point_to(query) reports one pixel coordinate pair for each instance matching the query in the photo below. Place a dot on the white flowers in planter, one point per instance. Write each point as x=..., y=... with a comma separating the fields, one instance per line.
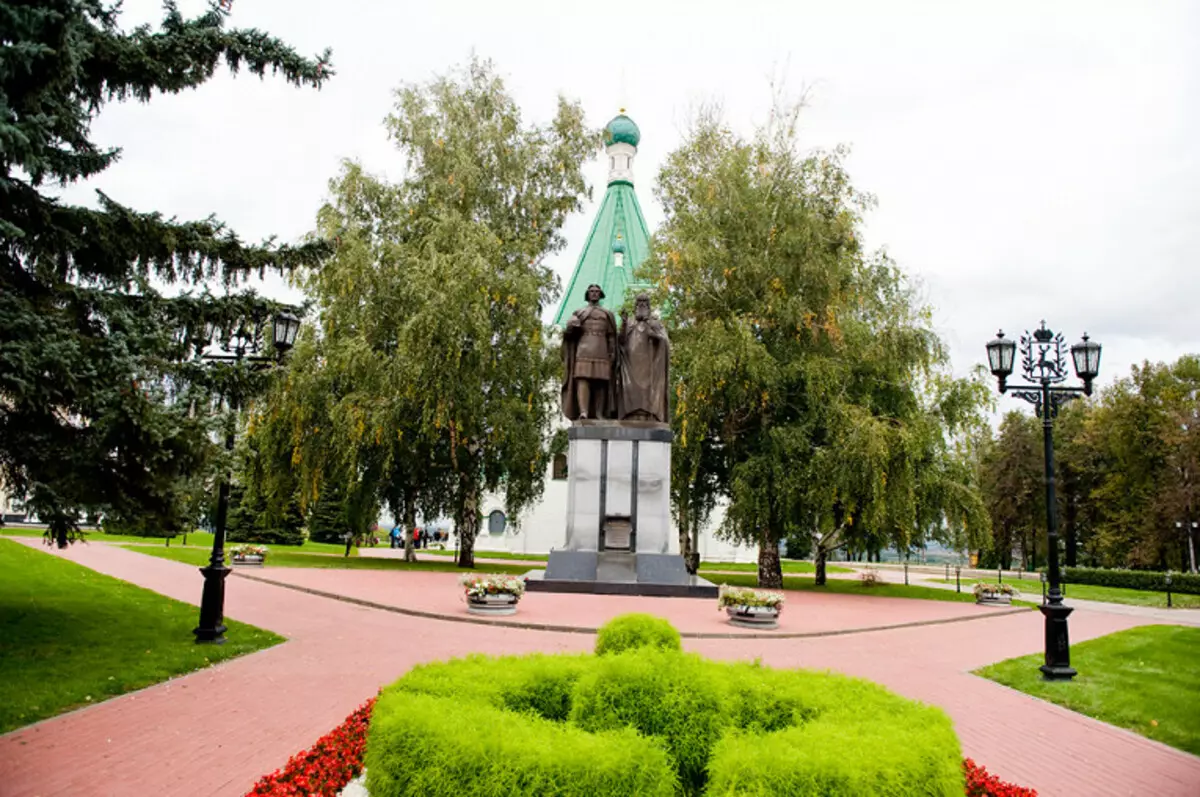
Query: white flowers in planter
x=744, y=596
x=479, y=586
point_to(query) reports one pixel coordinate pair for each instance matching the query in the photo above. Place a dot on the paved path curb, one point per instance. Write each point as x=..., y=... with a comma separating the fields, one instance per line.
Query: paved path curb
x=579, y=629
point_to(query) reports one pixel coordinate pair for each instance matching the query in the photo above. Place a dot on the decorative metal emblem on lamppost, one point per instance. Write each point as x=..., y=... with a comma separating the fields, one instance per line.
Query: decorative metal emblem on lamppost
x=242, y=343
x=1044, y=362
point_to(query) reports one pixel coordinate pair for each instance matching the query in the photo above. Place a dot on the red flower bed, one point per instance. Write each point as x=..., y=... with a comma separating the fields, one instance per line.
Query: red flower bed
x=981, y=784
x=324, y=769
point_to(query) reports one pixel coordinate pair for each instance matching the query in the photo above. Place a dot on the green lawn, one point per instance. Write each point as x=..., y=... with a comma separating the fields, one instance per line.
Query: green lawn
x=849, y=586
x=1145, y=679
x=1032, y=590
x=290, y=558
x=195, y=539
x=523, y=557
x=70, y=637
x=789, y=566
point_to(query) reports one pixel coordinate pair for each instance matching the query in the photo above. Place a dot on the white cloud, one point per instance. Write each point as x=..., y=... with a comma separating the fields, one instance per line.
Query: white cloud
x=1031, y=160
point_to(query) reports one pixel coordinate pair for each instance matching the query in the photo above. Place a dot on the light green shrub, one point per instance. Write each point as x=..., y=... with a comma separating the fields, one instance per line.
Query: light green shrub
x=636, y=631
x=425, y=746
x=660, y=693
x=651, y=721
x=860, y=740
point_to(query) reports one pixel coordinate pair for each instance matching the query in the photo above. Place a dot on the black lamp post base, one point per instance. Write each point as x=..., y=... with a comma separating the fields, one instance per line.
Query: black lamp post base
x=210, y=636
x=1058, y=647
x=211, y=629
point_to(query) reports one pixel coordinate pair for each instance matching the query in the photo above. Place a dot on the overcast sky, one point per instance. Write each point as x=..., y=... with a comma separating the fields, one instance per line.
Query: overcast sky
x=1031, y=159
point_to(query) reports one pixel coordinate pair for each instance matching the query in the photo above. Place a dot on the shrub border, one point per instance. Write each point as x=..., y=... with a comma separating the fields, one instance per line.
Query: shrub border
x=337, y=757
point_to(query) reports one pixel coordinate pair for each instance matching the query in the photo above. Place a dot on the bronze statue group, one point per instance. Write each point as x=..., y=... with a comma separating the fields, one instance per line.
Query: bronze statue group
x=612, y=373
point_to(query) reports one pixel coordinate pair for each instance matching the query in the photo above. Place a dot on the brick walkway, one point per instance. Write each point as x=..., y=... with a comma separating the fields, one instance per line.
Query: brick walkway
x=214, y=732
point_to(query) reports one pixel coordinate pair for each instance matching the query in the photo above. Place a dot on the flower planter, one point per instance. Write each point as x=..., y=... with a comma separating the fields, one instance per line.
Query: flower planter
x=499, y=604
x=753, y=616
x=993, y=599
x=249, y=559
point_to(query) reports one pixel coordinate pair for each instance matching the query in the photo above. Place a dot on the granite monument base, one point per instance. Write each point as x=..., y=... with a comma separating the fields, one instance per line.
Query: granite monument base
x=619, y=516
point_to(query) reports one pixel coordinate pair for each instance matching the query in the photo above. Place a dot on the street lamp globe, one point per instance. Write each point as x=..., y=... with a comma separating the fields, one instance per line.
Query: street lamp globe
x=287, y=326
x=1001, y=352
x=1086, y=355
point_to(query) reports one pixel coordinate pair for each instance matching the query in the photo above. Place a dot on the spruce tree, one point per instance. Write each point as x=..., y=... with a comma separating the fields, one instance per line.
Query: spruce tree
x=96, y=363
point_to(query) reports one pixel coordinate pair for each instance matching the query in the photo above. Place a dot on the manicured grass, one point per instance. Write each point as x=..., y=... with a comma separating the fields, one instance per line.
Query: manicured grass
x=70, y=637
x=289, y=558
x=1145, y=679
x=1032, y=590
x=849, y=586
x=195, y=539
x=789, y=566
x=523, y=557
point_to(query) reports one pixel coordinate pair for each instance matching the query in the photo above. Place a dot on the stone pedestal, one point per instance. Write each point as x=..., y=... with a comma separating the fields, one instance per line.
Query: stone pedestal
x=619, y=516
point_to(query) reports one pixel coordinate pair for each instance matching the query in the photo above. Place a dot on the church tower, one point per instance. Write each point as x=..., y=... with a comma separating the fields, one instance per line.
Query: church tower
x=619, y=240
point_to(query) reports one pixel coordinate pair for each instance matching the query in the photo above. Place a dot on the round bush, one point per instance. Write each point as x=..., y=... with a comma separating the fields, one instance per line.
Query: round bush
x=630, y=631
x=651, y=721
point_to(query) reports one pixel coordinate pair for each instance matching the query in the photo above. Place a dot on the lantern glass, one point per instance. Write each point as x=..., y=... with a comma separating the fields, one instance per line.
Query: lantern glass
x=1086, y=357
x=287, y=326
x=1000, y=355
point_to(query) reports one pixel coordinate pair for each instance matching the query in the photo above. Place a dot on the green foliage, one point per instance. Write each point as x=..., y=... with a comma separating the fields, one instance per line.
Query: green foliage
x=252, y=520
x=1132, y=579
x=330, y=518
x=423, y=746
x=96, y=381
x=426, y=380
x=1126, y=465
x=1013, y=484
x=634, y=630
x=810, y=388
x=72, y=637
x=1144, y=679
x=904, y=750
x=651, y=721
x=661, y=694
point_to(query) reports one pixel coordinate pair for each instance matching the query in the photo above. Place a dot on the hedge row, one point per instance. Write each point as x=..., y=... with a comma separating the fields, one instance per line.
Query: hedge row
x=651, y=720
x=1148, y=580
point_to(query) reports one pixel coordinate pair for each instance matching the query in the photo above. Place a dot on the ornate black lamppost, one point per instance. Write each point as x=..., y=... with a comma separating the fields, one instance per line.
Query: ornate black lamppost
x=241, y=345
x=1044, y=363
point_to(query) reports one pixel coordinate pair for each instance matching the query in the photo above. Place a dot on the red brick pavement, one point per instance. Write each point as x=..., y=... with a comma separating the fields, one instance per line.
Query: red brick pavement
x=214, y=732
x=804, y=612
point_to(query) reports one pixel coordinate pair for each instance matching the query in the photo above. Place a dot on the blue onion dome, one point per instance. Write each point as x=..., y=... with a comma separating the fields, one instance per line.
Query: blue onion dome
x=622, y=129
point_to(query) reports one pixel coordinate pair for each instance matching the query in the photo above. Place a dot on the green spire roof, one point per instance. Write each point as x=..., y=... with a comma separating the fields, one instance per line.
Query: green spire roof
x=619, y=229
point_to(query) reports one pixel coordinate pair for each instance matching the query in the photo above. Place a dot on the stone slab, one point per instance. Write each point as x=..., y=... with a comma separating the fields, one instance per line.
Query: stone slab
x=536, y=581
x=572, y=565
x=620, y=430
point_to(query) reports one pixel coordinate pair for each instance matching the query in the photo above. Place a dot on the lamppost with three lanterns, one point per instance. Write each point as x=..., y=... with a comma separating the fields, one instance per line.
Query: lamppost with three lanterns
x=1044, y=364
x=245, y=342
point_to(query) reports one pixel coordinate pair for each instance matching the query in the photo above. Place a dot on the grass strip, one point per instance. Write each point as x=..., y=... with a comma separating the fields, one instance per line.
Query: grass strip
x=1144, y=679
x=70, y=636
x=848, y=586
x=287, y=558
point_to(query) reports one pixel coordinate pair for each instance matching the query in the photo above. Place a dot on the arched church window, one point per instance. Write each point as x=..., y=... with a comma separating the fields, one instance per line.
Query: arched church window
x=497, y=522
x=559, y=471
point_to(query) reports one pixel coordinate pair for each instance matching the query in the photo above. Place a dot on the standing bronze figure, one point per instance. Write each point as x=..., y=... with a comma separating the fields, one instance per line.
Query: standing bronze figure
x=589, y=356
x=642, y=366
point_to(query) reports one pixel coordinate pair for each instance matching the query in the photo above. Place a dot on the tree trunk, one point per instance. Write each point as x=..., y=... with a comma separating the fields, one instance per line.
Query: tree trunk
x=819, y=563
x=685, y=540
x=349, y=541
x=770, y=571
x=467, y=521
x=1070, y=511
x=695, y=565
x=410, y=522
